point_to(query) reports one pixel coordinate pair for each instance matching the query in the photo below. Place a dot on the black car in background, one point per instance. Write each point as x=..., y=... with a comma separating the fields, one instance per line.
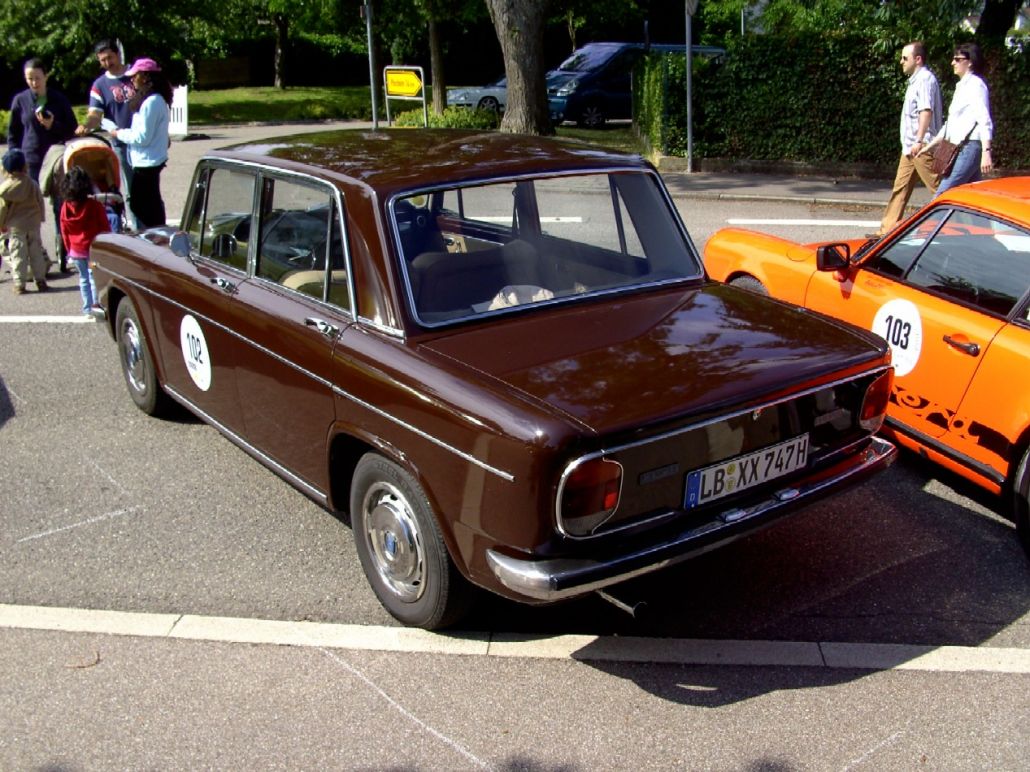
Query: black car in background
x=595, y=83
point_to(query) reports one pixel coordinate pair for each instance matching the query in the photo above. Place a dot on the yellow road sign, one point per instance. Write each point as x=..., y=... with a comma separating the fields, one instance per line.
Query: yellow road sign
x=404, y=83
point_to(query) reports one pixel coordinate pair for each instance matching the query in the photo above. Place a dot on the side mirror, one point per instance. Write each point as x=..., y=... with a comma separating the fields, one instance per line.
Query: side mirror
x=833, y=257
x=180, y=244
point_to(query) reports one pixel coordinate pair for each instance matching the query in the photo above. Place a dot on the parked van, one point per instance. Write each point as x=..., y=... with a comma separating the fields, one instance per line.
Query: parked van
x=595, y=83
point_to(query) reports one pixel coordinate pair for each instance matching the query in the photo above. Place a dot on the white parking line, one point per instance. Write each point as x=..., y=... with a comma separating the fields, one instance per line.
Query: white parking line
x=679, y=651
x=44, y=319
x=87, y=521
x=788, y=221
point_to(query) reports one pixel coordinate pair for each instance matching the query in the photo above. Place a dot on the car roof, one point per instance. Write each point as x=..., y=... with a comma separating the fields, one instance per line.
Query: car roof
x=1005, y=195
x=390, y=160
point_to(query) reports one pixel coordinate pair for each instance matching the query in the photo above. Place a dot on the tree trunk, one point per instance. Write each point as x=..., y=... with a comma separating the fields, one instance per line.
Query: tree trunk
x=282, y=33
x=436, y=69
x=998, y=17
x=519, y=25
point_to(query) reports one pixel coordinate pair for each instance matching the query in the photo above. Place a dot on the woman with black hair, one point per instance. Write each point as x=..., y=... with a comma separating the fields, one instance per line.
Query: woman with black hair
x=147, y=140
x=969, y=123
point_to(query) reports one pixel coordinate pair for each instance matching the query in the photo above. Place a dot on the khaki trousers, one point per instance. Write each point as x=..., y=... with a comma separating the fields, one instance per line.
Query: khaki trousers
x=904, y=184
x=25, y=251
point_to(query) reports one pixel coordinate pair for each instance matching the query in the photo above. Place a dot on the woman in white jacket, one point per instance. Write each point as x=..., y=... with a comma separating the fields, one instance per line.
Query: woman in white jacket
x=969, y=120
x=147, y=140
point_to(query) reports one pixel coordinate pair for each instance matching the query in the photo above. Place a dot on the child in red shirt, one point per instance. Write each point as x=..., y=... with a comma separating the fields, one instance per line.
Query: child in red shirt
x=82, y=218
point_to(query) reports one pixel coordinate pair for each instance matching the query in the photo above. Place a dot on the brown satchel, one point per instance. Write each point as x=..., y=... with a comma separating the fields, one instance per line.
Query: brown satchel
x=944, y=154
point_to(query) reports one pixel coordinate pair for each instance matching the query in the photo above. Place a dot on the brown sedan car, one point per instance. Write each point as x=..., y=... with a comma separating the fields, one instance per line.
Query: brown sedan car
x=499, y=355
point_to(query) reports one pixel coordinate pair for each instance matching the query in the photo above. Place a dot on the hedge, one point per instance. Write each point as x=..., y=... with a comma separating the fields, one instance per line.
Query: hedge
x=813, y=100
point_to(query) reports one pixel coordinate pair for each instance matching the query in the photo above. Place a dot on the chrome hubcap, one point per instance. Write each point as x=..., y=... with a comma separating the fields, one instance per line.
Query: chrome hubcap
x=132, y=355
x=393, y=539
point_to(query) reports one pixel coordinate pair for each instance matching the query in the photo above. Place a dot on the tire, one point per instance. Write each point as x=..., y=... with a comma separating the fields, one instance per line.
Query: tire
x=751, y=284
x=1021, y=501
x=401, y=548
x=137, y=362
x=489, y=103
x=592, y=117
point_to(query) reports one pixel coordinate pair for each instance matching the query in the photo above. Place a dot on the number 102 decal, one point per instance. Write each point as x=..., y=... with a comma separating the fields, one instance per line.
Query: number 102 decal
x=898, y=322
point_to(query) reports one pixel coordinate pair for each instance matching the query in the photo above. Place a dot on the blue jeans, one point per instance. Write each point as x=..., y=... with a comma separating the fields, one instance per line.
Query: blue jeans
x=86, y=286
x=966, y=167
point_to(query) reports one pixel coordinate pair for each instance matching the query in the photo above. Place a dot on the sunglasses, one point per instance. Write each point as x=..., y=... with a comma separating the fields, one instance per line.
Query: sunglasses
x=960, y=58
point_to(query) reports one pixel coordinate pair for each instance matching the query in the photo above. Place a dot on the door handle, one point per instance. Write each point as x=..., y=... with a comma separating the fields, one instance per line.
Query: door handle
x=973, y=349
x=224, y=284
x=329, y=330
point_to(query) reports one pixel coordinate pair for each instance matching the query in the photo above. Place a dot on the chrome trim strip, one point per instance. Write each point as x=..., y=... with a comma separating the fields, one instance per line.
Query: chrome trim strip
x=683, y=430
x=260, y=456
x=938, y=447
x=507, y=476
x=558, y=578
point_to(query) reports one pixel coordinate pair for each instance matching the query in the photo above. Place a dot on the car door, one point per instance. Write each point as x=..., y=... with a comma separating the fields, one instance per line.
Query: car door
x=289, y=316
x=921, y=293
x=194, y=322
x=995, y=410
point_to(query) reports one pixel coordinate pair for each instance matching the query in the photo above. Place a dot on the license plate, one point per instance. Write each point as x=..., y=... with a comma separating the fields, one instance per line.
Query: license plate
x=737, y=474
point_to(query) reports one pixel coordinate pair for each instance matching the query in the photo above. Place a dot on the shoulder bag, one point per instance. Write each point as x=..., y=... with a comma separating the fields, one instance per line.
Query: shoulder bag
x=944, y=154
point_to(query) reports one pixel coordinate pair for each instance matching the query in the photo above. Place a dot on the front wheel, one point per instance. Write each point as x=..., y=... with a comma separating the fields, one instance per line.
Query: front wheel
x=401, y=548
x=592, y=117
x=1021, y=501
x=137, y=362
x=490, y=103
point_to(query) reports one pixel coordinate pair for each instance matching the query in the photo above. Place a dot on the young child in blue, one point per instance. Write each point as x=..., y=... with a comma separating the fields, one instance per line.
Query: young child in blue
x=82, y=218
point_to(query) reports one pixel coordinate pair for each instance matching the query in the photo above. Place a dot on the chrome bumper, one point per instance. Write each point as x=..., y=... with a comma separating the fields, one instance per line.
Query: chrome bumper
x=557, y=578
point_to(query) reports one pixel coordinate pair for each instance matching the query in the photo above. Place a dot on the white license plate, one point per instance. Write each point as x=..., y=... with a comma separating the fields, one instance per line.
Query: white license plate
x=737, y=474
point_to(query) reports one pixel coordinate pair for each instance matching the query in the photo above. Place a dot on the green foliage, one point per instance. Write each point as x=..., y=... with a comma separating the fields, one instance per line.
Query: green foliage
x=452, y=118
x=811, y=98
x=257, y=104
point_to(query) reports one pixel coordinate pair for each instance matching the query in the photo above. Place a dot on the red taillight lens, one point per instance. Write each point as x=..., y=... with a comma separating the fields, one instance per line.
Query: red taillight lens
x=874, y=405
x=589, y=495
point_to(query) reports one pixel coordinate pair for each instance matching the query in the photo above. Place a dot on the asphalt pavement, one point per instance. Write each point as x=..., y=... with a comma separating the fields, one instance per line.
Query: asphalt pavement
x=105, y=689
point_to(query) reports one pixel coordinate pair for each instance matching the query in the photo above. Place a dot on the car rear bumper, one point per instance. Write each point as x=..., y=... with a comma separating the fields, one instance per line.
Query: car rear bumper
x=554, y=579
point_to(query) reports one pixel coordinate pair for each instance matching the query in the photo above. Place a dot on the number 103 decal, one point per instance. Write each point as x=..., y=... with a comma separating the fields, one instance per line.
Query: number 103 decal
x=898, y=323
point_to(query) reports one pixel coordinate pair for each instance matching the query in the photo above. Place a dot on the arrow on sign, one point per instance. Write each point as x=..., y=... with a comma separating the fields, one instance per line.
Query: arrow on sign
x=404, y=83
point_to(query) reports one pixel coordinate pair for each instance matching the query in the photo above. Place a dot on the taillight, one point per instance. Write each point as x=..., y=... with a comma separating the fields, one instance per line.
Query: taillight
x=874, y=404
x=589, y=495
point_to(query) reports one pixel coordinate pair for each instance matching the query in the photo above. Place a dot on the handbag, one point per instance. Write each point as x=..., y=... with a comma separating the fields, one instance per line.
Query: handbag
x=944, y=154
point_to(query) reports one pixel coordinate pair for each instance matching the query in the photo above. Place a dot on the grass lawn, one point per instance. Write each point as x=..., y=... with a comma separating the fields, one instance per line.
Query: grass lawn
x=270, y=104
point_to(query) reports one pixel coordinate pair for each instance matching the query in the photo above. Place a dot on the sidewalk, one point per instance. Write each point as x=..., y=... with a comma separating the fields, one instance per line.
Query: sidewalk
x=738, y=186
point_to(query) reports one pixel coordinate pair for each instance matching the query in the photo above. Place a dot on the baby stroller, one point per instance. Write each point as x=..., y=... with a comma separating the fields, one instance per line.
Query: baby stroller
x=97, y=158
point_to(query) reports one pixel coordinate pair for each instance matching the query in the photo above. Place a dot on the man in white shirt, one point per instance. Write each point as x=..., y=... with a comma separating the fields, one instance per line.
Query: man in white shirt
x=920, y=121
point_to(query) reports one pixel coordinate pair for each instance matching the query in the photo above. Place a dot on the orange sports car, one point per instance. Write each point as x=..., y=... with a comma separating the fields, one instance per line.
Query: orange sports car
x=949, y=289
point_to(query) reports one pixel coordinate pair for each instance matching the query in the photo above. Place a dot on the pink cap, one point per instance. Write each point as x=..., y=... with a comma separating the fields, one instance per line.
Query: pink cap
x=143, y=65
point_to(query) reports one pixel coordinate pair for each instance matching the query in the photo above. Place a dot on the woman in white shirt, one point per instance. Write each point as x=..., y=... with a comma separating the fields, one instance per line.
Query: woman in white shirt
x=147, y=140
x=969, y=120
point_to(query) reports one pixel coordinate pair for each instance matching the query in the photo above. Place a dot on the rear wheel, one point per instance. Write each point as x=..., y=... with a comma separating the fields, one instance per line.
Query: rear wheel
x=751, y=284
x=401, y=548
x=137, y=363
x=1021, y=501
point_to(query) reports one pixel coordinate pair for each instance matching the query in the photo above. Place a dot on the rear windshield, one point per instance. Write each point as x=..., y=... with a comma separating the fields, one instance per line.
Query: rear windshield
x=485, y=249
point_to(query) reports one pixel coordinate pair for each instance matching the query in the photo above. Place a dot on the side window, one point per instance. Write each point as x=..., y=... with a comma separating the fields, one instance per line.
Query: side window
x=220, y=221
x=298, y=228
x=899, y=256
x=978, y=261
